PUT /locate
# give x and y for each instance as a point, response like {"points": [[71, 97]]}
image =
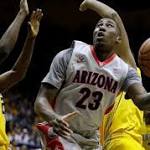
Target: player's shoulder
{"points": [[122, 62], [64, 53], [78, 43], [75, 43]]}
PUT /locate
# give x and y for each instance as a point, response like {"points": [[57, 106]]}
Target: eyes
{"points": [[108, 24]]}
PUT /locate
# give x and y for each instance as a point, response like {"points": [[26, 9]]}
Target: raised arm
{"points": [[9, 38], [105, 11], [19, 69]]}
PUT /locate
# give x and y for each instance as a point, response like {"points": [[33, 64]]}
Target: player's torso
{"points": [[125, 118], [90, 86]]}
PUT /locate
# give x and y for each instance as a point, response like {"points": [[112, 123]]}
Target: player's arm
{"points": [[135, 90], [44, 100], [123, 50], [20, 67], [43, 106], [9, 38], [139, 96], [48, 92]]}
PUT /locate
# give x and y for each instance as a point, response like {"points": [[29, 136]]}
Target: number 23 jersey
{"points": [[88, 86]]}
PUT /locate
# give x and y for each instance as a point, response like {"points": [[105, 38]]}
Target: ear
{"points": [[118, 40]]}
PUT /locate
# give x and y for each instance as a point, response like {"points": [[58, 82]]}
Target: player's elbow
{"points": [[142, 102], [37, 105], [114, 15], [140, 106], [3, 53], [19, 74]]}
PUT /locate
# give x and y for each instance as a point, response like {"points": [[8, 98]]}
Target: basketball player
{"points": [[18, 71], [122, 128], [86, 78], [7, 43]]}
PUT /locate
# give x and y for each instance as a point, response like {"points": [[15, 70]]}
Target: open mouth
{"points": [[100, 34]]}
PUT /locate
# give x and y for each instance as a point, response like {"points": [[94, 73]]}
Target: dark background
{"points": [[62, 23]]}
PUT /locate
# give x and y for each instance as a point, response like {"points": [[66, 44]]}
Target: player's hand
{"points": [[61, 126], [24, 6], [85, 4], [68, 117], [34, 22]]}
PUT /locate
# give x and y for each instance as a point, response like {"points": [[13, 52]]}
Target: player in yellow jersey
{"points": [[7, 43], [18, 71], [122, 126]]}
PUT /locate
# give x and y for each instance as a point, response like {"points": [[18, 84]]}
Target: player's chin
{"points": [[99, 45]]}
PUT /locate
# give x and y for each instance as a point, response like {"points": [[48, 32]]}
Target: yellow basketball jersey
{"points": [[124, 119], [146, 137], [3, 137]]}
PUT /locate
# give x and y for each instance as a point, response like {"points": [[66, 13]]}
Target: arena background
{"points": [[62, 23]]}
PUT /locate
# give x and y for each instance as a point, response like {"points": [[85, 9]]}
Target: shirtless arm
{"points": [[9, 38], [18, 71], [139, 96]]}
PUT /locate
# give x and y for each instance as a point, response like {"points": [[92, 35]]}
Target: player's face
{"points": [[105, 34]]}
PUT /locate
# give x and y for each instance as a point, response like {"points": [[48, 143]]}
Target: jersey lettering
{"points": [[92, 105], [96, 79]]}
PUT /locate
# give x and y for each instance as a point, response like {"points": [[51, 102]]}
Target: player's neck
{"points": [[103, 55]]}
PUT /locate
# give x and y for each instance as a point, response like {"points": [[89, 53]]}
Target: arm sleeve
{"points": [[132, 78], [57, 71]]}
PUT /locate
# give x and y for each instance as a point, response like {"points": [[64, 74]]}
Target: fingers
{"points": [[83, 6], [34, 22], [68, 117], [63, 122], [29, 24], [61, 128], [62, 133], [65, 128], [37, 15]]}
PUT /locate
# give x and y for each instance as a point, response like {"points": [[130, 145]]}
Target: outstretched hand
{"points": [[34, 22], [68, 117], [61, 125], [24, 6]]}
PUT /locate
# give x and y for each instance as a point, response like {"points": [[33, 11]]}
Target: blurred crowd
{"points": [[20, 122]]}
